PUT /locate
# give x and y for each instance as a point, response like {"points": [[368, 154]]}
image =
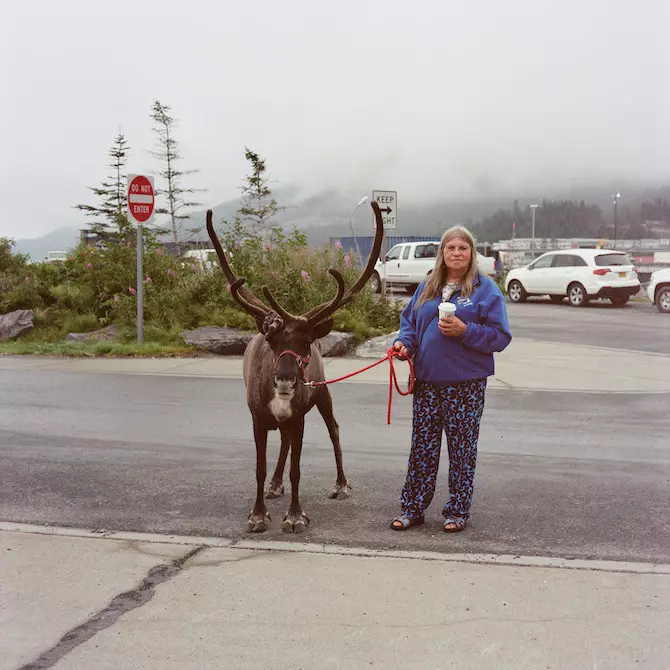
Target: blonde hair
{"points": [[438, 277]]}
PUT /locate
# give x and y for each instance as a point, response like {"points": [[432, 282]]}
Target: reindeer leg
{"points": [[295, 520], [259, 517], [342, 489], [275, 488]]}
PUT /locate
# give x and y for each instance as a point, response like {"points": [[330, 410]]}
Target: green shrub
{"points": [[94, 288]]}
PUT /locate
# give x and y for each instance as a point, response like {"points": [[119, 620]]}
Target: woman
{"points": [[454, 357]]}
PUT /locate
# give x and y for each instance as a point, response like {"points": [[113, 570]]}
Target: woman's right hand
{"points": [[401, 349]]}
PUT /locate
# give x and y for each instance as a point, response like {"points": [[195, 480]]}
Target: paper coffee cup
{"points": [[446, 310]]}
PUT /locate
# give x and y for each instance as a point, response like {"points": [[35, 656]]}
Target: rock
{"points": [[336, 343], [16, 323], [218, 340], [376, 347], [103, 335]]}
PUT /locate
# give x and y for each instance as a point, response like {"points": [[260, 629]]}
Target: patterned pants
{"points": [[456, 409]]}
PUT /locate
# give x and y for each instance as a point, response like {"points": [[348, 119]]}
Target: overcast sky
{"points": [[432, 98]]}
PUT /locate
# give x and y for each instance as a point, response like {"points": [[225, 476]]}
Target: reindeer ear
{"points": [[322, 329]]}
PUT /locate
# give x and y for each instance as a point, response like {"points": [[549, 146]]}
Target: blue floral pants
{"points": [[457, 410]]}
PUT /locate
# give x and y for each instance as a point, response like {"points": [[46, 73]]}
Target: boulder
{"points": [[102, 335], [377, 346], [16, 323], [336, 343], [218, 340]]}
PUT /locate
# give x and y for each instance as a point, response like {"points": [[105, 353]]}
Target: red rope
{"points": [[393, 379]]}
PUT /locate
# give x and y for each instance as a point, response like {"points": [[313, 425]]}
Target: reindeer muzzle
{"points": [[302, 361]]}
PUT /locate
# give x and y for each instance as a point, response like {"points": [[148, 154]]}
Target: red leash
{"points": [[393, 379]]}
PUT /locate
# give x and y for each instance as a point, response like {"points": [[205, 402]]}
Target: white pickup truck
{"points": [[409, 263]]}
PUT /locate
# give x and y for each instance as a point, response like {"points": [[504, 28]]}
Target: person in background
{"points": [[453, 359]]}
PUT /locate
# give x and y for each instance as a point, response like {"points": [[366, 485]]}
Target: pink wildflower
{"points": [[159, 251], [170, 271], [116, 298], [27, 280], [228, 287], [338, 245], [268, 246], [194, 267], [305, 275], [131, 290], [89, 266], [347, 260], [148, 280]]}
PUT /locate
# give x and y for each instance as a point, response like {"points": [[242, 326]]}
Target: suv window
{"points": [[544, 262], [425, 251], [568, 261], [612, 259], [394, 254], [405, 254]]}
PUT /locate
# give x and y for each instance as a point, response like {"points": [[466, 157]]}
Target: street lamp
{"points": [[362, 201], [616, 197], [532, 244]]}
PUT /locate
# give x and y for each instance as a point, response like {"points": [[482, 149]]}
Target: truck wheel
{"points": [[375, 283]]}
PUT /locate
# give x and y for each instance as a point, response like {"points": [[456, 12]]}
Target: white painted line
{"points": [[332, 549], [136, 198]]}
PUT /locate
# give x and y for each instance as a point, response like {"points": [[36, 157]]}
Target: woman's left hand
{"points": [[452, 327]]}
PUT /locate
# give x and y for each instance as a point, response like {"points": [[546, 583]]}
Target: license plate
{"points": [[622, 274]]}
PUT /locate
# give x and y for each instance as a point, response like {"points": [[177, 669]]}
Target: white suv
{"points": [[579, 274], [659, 290]]}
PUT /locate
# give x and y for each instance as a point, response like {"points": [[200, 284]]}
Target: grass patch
{"points": [[97, 349]]}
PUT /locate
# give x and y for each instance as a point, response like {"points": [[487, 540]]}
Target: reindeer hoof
{"points": [[258, 523], [273, 491], [341, 492], [295, 523]]}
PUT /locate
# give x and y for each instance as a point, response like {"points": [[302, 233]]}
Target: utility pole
{"points": [[616, 197], [532, 244]]}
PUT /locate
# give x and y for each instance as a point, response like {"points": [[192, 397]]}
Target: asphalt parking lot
{"points": [[637, 326]]}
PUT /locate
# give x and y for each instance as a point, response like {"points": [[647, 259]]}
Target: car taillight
{"points": [[601, 271]]}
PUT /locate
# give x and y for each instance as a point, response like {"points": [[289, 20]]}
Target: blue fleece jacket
{"points": [[448, 360]]}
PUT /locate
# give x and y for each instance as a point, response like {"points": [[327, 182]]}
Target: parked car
{"points": [[579, 274], [658, 290], [409, 263], [56, 257]]}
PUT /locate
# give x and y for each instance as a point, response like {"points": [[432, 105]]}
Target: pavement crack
{"points": [[119, 605]]}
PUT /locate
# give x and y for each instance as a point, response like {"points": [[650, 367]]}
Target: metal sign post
{"points": [[388, 206], [141, 200], [140, 285]]}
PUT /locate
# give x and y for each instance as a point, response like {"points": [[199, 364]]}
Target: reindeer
{"points": [[279, 366]]}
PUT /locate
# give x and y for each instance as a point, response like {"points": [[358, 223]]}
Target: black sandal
{"points": [[458, 521], [406, 522]]}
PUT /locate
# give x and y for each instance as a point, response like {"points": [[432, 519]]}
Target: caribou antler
{"points": [[246, 299], [323, 311], [236, 291], [287, 316], [372, 258], [256, 308]]}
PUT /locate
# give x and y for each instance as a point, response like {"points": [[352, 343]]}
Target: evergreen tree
{"points": [[112, 193], [168, 154], [258, 204]]}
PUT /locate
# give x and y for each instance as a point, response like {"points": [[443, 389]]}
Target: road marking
{"points": [[332, 549]]}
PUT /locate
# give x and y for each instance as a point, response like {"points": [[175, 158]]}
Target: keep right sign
{"points": [[388, 206]]}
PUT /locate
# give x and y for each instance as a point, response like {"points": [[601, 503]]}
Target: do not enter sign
{"points": [[140, 198]]}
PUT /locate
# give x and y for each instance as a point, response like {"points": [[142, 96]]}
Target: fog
{"points": [[433, 99]]}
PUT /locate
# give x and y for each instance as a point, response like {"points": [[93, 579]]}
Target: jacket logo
{"points": [[465, 302]]}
